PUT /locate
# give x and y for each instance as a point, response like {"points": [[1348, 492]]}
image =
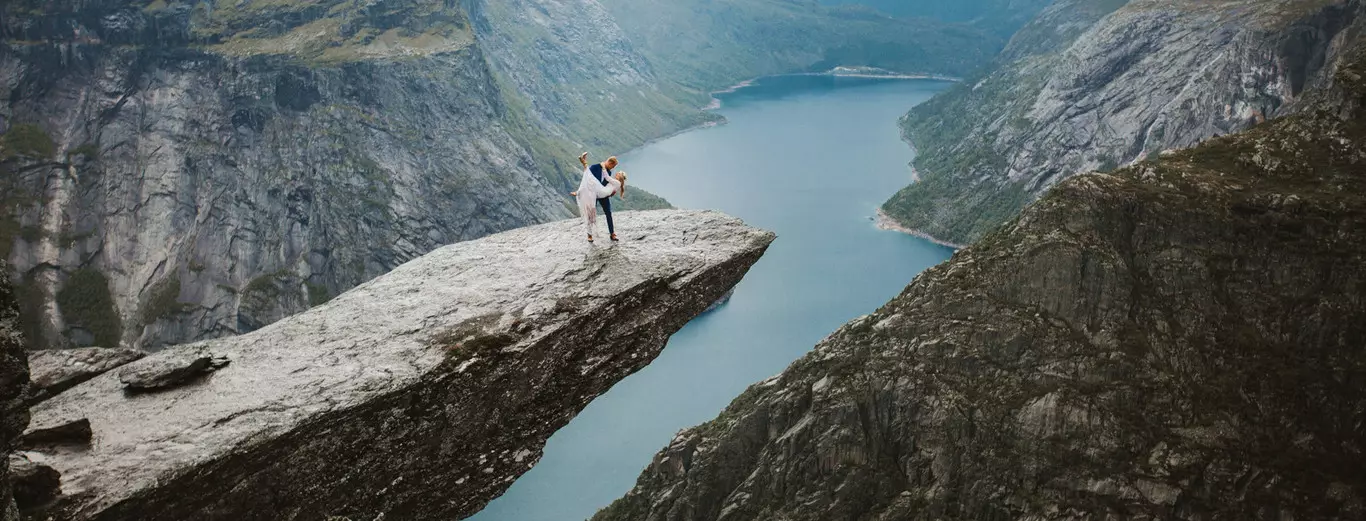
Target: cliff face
{"points": [[1092, 85], [1184, 338], [421, 394], [178, 170], [14, 380], [189, 191]]}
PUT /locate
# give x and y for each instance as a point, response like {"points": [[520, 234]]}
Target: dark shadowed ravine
{"points": [[809, 157]]}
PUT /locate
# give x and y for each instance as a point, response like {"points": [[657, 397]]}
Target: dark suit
{"points": [[605, 202]]}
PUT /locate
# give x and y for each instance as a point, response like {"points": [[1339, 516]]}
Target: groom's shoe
{"points": [[614, 238]]}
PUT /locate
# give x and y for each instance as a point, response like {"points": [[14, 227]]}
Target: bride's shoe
{"points": [[590, 237]]}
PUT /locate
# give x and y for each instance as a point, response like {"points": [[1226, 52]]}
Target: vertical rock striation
{"points": [[1092, 85], [1180, 339], [421, 394]]}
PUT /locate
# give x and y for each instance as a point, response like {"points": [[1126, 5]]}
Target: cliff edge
{"points": [[421, 394]]}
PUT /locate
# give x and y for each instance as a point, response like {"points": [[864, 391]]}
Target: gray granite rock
{"points": [[172, 370], [1095, 85], [35, 484], [421, 394], [56, 370], [14, 381], [74, 432]]}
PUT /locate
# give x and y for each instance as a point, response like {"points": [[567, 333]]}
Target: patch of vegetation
{"points": [[26, 140], [164, 301], [86, 302], [89, 151], [318, 294]]}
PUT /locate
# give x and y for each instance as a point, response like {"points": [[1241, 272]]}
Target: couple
{"points": [[597, 188]]}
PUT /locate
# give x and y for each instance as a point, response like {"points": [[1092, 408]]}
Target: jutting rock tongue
{"points": [[1183, 339], [13, 389], [419, 395]]}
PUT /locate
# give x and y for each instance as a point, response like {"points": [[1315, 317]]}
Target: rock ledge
{"points": [[419, 395]]}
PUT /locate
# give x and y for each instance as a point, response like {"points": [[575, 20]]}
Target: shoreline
{"points": [[886, 222]]}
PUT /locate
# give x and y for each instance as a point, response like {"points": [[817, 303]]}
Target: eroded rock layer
{"points": [[419, 395]]}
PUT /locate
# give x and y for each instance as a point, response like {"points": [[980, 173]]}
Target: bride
{"points": [[590, 190]]}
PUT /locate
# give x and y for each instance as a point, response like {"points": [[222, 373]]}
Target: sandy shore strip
{"points": [[886, 222]]}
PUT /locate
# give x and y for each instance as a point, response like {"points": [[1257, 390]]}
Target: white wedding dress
{"points": [[590, 190]]}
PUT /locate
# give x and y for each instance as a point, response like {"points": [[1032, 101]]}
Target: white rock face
{"points": [[418, 395]]}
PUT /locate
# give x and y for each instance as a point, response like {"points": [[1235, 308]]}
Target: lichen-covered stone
{"points": [[1182, 339], [421, 394]]}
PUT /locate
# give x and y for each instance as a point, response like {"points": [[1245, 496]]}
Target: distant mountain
{"points": [[1001, 17], [177, 170], [707, 45], [1096, 84]]}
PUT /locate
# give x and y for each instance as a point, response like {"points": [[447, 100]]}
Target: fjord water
{"points": [[809, 157]]}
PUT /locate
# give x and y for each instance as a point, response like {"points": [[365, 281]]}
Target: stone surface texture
{"points": [[1092, 85], [55, 370], [421, 394], [1182, 339], [14, 389]]}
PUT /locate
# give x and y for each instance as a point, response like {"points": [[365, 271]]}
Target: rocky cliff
{"points": [[14, 415], [178, 170], [421, 394], [1095, 84], [1184, 338]]}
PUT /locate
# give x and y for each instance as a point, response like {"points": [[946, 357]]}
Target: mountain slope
{"points": [[1095, 84], [1002, 17], [182, 170], [711, 45], [1184, 338]]}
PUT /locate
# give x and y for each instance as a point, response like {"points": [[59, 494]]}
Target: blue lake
{"points": [[809, 157]]}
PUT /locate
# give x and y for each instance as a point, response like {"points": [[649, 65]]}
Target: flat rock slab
{"points": [[421, 394], [55, 370], [172, 370]]}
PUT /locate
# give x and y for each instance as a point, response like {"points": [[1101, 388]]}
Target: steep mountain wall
{"points": [[1184, 338], [187, 191], [421, 394], [1096, 84], [181, 170]]}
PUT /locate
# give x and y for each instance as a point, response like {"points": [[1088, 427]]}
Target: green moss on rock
{"points": [[86, 302], [26, 140]]}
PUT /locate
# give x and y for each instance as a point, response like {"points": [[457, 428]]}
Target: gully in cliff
{"points": [[599, 185]]}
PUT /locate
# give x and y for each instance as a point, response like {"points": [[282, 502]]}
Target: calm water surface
{"points": [[809, 157]]}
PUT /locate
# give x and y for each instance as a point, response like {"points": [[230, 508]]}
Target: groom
{"points": [[602, 171]]}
